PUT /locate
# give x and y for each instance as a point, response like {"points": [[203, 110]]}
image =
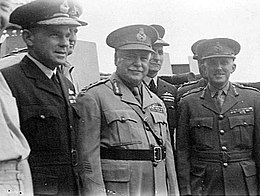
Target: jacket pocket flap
{"points": [[116, 172], [159, 117], [39, 112], [45, 184], [202, 122], [120, 115], [242, 120], [249, 168]]}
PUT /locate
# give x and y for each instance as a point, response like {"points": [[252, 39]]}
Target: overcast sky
{"points": [[185, 21]]}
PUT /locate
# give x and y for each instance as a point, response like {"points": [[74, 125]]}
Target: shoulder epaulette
{"points": [[245, 87], [195, 90], [86, 88], [189, 83], [17, 51]]}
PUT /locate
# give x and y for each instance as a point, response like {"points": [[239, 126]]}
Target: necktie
{"points": [[219, 99], [152, 87], [55, 79], [137, 94]]}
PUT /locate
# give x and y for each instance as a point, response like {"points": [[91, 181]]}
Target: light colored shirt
{"points": [[12, 142]]}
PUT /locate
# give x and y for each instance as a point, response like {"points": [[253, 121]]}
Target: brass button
{"points": [[245, 123], [42, 116], [222, 132], [221, 117], [224, 148], [123, 119], [225, 164]]}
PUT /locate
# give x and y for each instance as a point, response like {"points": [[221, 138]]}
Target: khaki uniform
{"points": [[14, 149], [109, 121], [219, 151]]}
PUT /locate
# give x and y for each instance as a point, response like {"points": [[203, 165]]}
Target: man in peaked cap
{"points": [[124, 142], [218, 135], [202, 82], [164, 90], [45, 98], [74, 12]]}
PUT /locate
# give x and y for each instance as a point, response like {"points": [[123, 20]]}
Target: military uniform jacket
{"points": [[45, 117], [168, 92], [219, 151], [107, 120]]}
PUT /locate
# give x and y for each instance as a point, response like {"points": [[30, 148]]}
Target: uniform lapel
{"points": [[208, 101], [230, 100], [41, 80]]}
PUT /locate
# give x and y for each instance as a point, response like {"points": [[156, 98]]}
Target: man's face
{"points": [[132, 65], [156, 61], [218, 70], [49, 45], [72, 39], [5, 10]]}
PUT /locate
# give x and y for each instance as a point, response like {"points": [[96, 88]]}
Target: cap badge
{"points": [[141, 35], [218, 47], [74, 12], [64, 7]]}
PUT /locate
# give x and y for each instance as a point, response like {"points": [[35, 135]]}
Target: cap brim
{"points": [[60, 21], [82, 23], [218, 56], [161, 42], [135, 47]]}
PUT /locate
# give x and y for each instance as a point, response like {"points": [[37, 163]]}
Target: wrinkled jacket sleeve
{"points": [[183, 149], [90, 172]]}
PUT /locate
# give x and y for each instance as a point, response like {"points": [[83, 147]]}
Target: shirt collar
{"points": [[214, 90], [147, 80], [47, 71]]}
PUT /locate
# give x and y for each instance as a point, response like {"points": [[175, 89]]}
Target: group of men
{"points": [[132, 133]]}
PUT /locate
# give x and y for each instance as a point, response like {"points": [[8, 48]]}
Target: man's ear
{"points": [[234, 66], [28, 37]]}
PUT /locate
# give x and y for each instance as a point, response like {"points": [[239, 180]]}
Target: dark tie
{"points": [[55, 79], [137, 94], [219, 99], [152, 87]]}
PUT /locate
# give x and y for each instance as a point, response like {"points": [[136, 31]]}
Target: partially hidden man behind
{"points": [[124, 142], [164, 90], [44, 96], [218, 135], [202, 82]]}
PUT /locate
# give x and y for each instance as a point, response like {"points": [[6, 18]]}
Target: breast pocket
{"points": [[242, 128], [40, 124], [202, 131], [124, 127], [160, 122]]}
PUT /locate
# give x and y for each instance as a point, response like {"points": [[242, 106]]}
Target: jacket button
{"points": [[245, 123], [224, 148], [221, 117], [42, 116], [225, 164], [222, 132]]}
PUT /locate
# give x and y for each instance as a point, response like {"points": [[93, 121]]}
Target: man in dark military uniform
{"points": [[164, 90], [218, 135], [124, 141], [44, 96], [202, 82]]}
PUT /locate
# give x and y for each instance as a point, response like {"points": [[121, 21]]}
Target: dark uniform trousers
{"points": [[218, 151], [46, 118]]}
